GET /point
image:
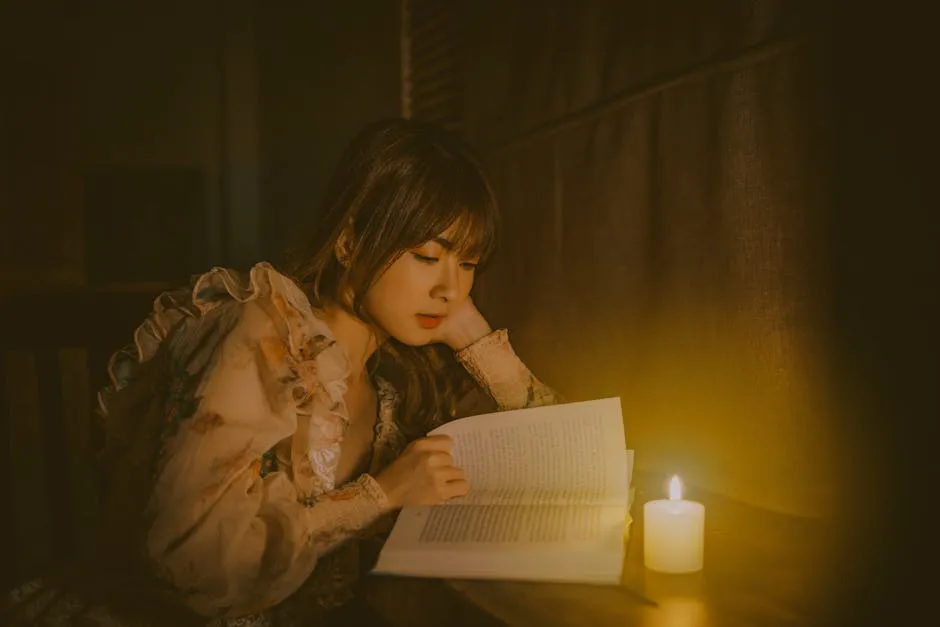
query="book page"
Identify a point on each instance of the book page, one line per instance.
(557, 454)
(486, 525)
(516, 524)
(533, 542)
(548, 500)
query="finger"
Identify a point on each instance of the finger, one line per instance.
(438, 459)
(449, 473)
(456, 488)
(438, 442)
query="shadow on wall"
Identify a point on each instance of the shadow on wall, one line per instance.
(663, 200)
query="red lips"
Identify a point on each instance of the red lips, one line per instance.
(429, 322)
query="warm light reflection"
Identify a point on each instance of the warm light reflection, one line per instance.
(678, 612)
(675, 488)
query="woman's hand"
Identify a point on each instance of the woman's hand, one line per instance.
(463, 326)
(424, 474)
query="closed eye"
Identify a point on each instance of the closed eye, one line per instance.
(467, 265)
(424, 259)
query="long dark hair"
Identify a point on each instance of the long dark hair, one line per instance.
(399, 184)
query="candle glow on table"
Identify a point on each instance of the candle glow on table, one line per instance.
(673, 533)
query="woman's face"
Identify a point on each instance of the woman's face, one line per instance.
(425, 284)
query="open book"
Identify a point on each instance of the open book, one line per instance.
(549, 500)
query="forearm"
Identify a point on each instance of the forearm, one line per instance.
(493, 363)
(345, 512)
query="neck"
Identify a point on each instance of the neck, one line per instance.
(356, 337)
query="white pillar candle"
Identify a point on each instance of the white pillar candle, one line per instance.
(673, 533)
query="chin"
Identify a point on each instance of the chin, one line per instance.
(404, 335)
(412, 339)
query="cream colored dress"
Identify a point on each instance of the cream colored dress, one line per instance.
(244, 511)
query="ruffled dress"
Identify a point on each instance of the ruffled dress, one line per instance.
(226, 417)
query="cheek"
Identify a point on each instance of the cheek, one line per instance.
(391, 293)
(467, 285)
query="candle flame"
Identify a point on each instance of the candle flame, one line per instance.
(675, 488)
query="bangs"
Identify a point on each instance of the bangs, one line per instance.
(431, 187)
(458, 202)
(473, 234)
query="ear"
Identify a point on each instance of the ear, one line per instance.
(343, 247)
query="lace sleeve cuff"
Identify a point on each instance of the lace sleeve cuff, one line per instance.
(493, 363)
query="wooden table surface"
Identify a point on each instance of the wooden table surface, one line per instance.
(761, 569)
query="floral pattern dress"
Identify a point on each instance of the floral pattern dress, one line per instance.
(243, 521)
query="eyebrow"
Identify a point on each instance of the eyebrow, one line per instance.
(444, 242)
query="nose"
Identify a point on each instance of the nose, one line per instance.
(447, 286)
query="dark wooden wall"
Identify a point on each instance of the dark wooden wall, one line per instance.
(141, 144)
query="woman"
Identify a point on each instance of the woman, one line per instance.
(256, 433)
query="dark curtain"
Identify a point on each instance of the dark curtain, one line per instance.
(662, 169)
(722, 212)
